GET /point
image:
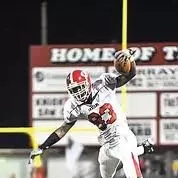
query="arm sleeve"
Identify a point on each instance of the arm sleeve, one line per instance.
(51, 140)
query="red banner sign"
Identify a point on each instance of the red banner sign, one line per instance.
(149, 53)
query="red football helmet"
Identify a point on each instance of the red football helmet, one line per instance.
(79, 85)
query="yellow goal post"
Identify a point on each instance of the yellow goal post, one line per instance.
(124, 46)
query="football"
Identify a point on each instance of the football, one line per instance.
(122, 66)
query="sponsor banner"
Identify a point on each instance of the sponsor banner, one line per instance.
(48, 106)
(169, 104)
(147, 101)
(83, 132)
(147, 53)
(143, 129)
(168, 131)
(53, 79)
(163, 77)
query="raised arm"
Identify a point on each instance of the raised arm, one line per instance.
(124, 78)
(112, 80)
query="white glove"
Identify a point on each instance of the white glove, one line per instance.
(126, 53)
(35, 153)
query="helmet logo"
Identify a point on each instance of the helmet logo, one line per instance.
(83, 74)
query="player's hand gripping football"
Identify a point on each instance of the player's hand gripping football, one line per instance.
(34, 153)
(123, 59)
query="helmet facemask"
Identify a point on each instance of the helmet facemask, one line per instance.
(80, 91)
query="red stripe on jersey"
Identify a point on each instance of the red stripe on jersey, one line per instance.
(137, 167)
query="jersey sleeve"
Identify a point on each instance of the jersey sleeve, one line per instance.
(109, 80)
(69, 117)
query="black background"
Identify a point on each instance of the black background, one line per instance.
(69, 21)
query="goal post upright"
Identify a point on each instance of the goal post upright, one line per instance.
(124, 46)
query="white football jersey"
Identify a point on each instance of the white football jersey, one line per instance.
(104, 111)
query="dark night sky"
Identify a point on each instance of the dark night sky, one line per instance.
(69, 21)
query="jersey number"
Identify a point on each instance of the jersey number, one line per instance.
(106, 116)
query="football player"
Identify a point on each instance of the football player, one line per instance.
(97, 103)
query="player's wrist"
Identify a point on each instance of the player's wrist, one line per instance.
(42, 147)
(52, 139)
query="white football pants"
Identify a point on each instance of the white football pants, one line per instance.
(126, 152)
